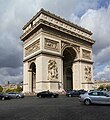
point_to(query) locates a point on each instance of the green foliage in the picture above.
(108, 87)
(1, 89)
(18, 89)
(101, 87)
(10, 90)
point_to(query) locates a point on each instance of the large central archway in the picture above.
(69, 56)
(33, 76)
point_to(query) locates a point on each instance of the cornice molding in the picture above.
(44, 22)
(42, 53)
(42, 11)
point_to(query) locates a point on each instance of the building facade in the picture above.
(98, 83)
(57, 54)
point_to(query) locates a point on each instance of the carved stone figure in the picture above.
(52, 70)
(88, 76)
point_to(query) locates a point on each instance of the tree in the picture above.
(1, 89)
(108, 87)
(18, 89)
(101, 87)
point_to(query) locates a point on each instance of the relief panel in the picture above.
(32, 48)
(51, 45)
(88, 75)
(86, 54)
(52, 70)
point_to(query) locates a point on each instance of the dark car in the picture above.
(72, 93)
(4, 97)
(75, 93)
(48, 94)
(82, 91)
(15, 94)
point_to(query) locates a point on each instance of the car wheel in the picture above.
(87, 102)
(40, 96)
(3, 98)
(18, 97)
(53, 96)
(69, 95)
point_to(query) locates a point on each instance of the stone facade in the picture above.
(57, 54)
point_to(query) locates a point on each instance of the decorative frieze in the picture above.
(88, 75)
(32, 37)
(68, 25)
(32, 48)
(86, 54)
(51, 45)
(52, 70)
(65, 44)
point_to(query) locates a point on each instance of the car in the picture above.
(48, 94)
(73, 93)
(95, 97)
(4, 97)
(15, 94)
(82, 91)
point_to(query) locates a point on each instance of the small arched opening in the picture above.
(33, 76)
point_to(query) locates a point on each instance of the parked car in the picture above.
(82, 91)
(97, 97)
(4, 97)
(74, 93)
(15, 94)
(49, 94)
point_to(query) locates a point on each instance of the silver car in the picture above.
(96, 97)
(15, 95)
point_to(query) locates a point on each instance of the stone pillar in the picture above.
(76, 75)
(30, 80)
(87, 76)
(25, 78)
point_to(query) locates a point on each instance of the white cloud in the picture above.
(98, 22)
(104, 74)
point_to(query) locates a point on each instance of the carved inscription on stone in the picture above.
(86, 54)
(52, 70)
(32, 48)
(87, 76)
(51, 45)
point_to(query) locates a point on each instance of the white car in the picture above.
(96, 97)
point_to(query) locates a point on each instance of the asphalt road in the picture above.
(62, 108)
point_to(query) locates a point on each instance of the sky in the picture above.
(93, 15)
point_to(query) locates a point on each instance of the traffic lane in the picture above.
(62, 108)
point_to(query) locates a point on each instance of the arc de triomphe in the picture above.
(57, 54)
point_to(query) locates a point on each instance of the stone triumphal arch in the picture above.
(57, 54)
